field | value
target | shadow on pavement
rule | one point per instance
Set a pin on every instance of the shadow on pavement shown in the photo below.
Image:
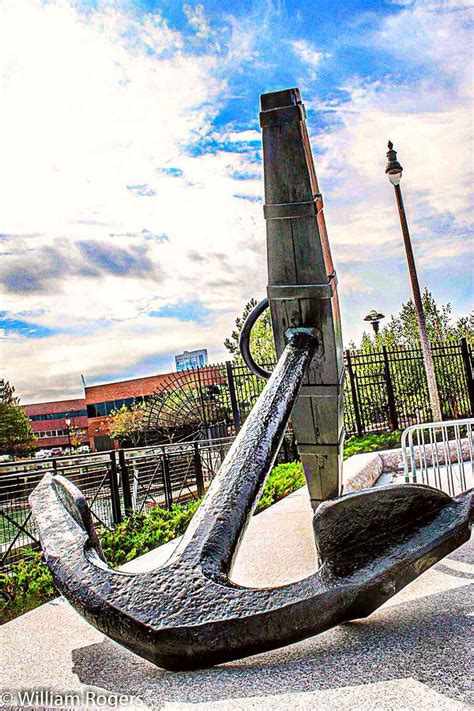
(425, 639)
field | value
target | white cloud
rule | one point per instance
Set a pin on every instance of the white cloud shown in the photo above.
(94, 106)
(307, 53)
(96, 103)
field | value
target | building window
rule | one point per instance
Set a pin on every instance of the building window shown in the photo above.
(58, 415)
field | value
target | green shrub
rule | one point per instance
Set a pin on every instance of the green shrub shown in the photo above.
(283, 479)
(25, 586)
(141, 532)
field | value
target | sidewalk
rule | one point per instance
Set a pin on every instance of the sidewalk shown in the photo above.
(410, 654)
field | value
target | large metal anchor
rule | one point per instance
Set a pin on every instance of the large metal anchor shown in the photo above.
(188, 613)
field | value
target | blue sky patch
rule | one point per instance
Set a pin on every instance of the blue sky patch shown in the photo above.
(173, 172)
(249, 198)
(143, 190)
(27, 329)
(183, 311)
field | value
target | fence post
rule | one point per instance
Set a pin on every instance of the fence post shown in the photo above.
(114, 490)
(355, 402)
(167, 488)
(466, 359)
(294, 448)
(392, 408)
(233, 396)
(198, 470)
(125, 479)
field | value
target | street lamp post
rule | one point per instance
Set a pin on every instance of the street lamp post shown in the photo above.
(394, 172)
(68, 425)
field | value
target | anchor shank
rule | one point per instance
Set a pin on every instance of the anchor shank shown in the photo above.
(217, 527)
(302, 286)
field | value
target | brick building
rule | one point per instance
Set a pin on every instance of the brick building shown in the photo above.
(48, 422)
(102, 399)
(89, 415)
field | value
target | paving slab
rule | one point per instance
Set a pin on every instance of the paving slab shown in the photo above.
(411, 654)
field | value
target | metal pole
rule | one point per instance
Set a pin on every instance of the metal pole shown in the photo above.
(233, 396)
(420, 315)
(125, 479)
(392, 407)
(355, 403)
(114, 490)
(198, 471)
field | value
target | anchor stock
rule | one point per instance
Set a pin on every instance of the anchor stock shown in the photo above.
(188, 613)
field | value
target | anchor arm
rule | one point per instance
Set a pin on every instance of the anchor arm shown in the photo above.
(213, 536)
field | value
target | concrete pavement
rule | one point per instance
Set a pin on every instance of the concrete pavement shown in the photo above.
(411, 654)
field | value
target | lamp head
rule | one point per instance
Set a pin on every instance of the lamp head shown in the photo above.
(374, 317)
(393, 169)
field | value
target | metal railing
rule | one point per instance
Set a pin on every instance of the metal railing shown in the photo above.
(115, 484)
(439, 454)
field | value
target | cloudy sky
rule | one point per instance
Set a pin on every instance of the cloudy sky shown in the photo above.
(131, 221)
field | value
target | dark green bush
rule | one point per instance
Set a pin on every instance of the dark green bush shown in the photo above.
(26, 585)
(283, 479)
(141, 532)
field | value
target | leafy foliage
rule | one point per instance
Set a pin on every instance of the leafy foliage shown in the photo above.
(283, 480)
(402, 328)
(141, 532)
(126, 423)
(27, 585)
(16, 436)
(371, 443)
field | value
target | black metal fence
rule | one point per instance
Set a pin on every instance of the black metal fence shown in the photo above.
(387, 389)
(115, 483)
(384, 389)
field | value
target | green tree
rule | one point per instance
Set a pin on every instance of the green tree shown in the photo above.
(126, 423)
(402, 328)
(16, 436)
(408, 376)
(261, 338)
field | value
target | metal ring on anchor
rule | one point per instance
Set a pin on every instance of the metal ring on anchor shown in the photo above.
(244, 340)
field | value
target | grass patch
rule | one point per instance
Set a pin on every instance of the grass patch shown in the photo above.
(371, 443)
(26, 585)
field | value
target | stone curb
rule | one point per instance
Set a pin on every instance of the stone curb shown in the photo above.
(361, 471)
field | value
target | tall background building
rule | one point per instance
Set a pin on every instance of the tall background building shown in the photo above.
(191, 359)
